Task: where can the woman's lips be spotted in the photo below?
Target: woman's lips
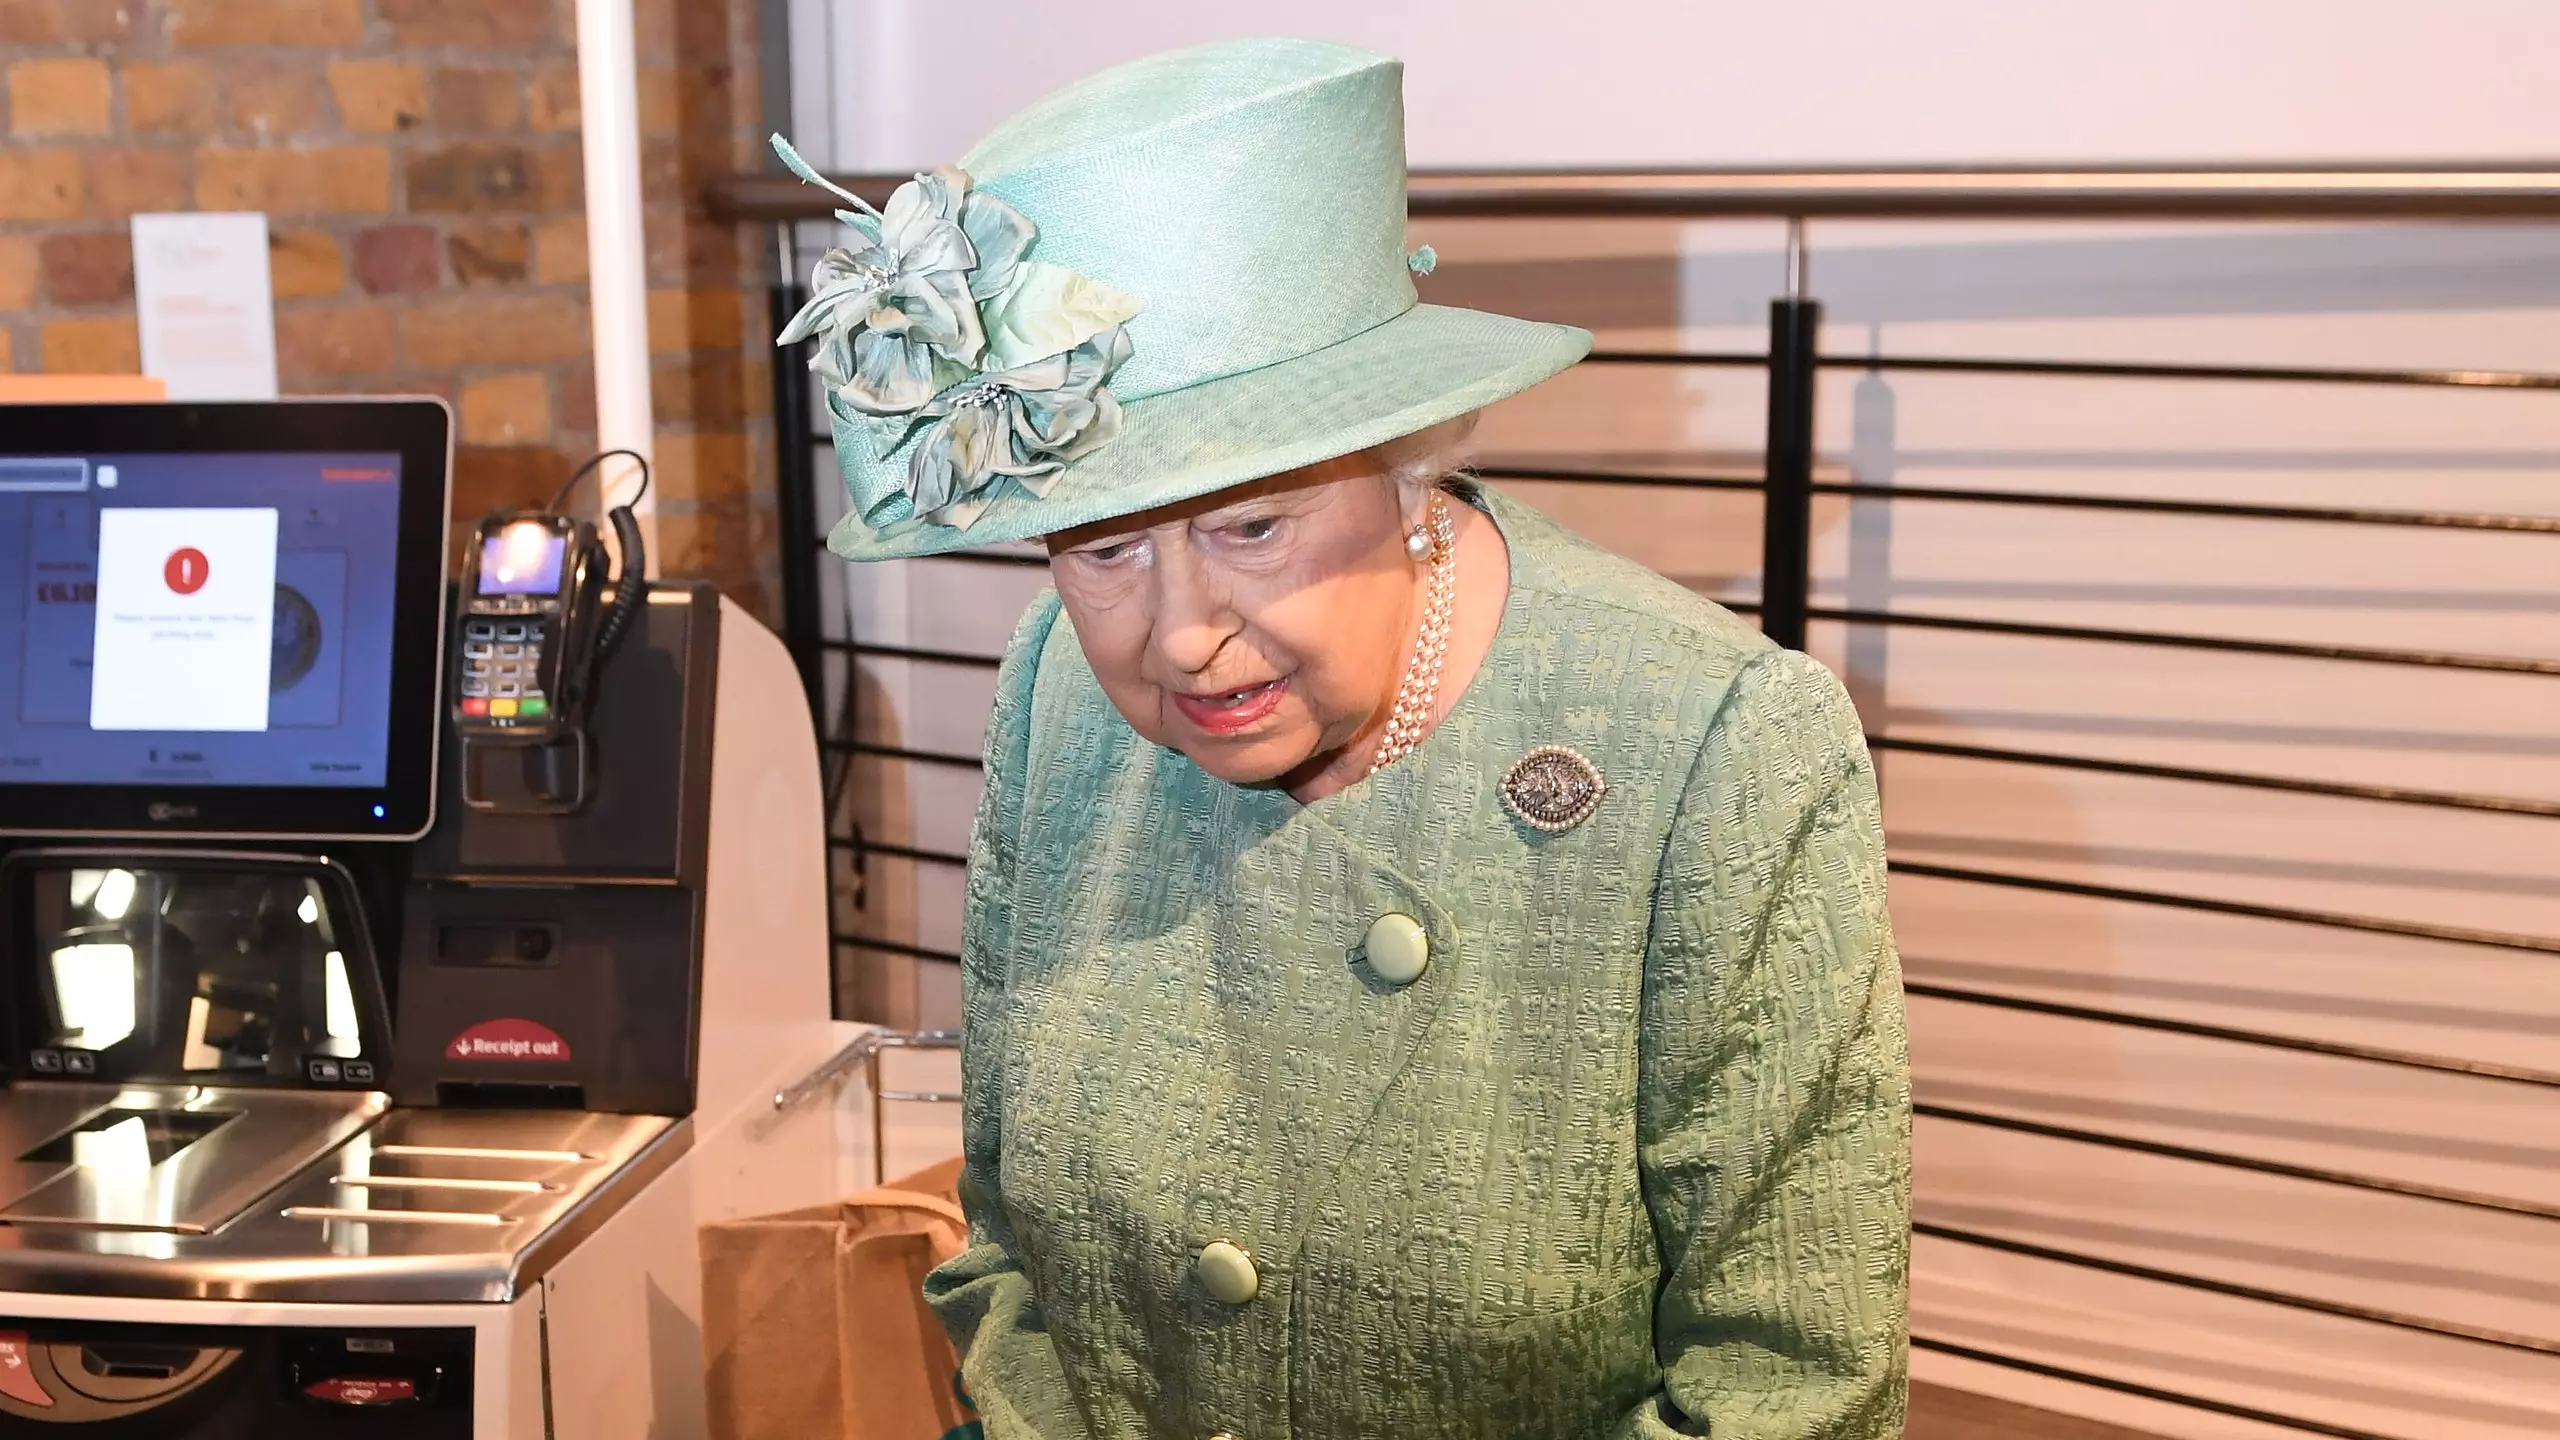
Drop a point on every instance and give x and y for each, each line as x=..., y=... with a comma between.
x=1233, y=710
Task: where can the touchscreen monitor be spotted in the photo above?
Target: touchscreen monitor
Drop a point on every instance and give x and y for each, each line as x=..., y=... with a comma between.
x=220, y=618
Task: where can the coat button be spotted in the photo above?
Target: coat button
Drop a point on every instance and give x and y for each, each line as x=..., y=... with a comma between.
x=1399, y=949
x=1227, y=1273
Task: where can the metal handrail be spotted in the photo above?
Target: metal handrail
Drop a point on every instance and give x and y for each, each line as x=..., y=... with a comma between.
x=2445, y=190
x=863, y=1053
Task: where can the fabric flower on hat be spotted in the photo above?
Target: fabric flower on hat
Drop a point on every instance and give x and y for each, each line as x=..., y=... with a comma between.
x=1028, y=423
x=995, y=362
x=891, y=315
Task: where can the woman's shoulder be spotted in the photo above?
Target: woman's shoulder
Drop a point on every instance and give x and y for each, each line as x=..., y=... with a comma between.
x=1034, y=631
x=1652, y=650
x=1574, y=588
x=1041, y=652
x=1568, y=575
x=1046, y=688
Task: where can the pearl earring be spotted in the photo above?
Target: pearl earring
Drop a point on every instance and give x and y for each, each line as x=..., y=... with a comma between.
x=1417, y=542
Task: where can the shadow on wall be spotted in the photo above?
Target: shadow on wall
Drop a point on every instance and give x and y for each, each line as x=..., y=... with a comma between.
x=674, y=1366
x=2372, y=296
x=2330, y=270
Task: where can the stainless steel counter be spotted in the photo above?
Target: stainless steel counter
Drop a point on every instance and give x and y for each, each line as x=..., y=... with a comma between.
x=307, y=1196
x=231, y=1146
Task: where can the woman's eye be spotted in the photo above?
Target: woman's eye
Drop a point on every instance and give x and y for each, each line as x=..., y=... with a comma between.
x=1110, y=552
x=1258, y=528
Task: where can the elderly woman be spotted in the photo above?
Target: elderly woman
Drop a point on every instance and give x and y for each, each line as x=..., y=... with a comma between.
x=1425, y=976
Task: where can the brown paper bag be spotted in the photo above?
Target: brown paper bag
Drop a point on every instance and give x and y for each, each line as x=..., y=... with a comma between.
x=814, y=1323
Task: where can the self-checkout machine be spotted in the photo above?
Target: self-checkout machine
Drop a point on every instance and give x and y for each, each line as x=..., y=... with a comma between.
x=396, y=975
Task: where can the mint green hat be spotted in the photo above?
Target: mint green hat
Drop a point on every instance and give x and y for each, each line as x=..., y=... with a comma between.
x=1176, y=276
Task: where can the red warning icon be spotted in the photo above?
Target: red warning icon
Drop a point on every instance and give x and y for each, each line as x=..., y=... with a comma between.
x=186, y=570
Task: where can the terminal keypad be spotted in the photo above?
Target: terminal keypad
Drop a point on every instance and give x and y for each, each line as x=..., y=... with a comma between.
x=502, y=668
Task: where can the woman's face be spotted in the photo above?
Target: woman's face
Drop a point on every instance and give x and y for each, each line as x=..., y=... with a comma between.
x=1258, y=630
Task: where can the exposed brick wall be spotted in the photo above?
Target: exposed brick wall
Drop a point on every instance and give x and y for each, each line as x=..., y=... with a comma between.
x=420, y=166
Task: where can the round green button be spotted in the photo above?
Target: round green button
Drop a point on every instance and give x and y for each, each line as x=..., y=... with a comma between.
x=1399, y=949
x=1227, y=1273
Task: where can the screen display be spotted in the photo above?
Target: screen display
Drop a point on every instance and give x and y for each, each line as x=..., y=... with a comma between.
x=522, y=559
x=179, y=619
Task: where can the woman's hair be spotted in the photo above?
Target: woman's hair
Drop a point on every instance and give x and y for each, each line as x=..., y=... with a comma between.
x=1436, y=454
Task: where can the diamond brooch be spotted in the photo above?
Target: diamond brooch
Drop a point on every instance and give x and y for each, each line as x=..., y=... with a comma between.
x=1553, y=788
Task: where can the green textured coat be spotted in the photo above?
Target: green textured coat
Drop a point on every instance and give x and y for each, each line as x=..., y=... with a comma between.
x=1630, y=1158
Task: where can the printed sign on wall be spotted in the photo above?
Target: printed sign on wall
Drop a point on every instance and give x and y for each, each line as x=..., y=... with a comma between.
x=202, y=291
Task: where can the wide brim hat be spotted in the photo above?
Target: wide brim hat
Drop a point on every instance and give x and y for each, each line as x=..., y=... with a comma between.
x=1217, y=261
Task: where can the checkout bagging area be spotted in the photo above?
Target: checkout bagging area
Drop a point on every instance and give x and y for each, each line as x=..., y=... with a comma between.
x=404, y=953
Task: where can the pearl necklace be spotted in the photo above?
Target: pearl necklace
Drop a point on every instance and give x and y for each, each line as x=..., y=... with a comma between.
x=1411, y=716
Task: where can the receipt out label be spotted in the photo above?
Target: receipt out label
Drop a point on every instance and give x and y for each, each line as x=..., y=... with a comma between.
x=17, y=1374
x=346, y=1390
x=185, y=621
x=525, y=1040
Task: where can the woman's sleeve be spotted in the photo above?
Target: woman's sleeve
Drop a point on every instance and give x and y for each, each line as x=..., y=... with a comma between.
x=982, y=1295
x=1774, y=1118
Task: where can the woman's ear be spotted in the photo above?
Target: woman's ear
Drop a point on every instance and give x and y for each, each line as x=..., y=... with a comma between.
x=1416, y=464
x=1413, y=487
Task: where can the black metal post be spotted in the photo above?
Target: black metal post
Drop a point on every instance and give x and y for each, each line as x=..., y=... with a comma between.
x=1786, y=526
x=795, y=493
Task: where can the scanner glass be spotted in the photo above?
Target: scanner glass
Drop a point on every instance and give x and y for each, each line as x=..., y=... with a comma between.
x=192, y=971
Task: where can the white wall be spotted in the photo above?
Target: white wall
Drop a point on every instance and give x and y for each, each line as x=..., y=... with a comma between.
x=1961, y=81
x=1782, y=82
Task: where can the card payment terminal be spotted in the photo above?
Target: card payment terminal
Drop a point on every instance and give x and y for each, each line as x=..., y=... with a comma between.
x=525, y=573
x=535, y=629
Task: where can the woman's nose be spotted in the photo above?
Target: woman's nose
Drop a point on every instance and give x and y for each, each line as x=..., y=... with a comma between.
x=1193, y=620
